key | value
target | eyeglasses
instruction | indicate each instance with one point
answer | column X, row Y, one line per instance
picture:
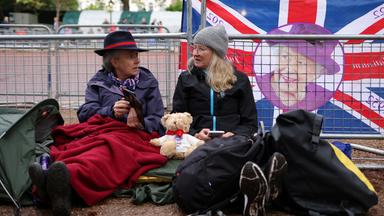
column 198, row 48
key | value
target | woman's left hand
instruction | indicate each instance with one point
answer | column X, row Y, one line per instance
column 133, row 120
column 228, row 134
column 203, row 134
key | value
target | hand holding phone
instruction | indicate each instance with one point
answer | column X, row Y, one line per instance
column 214, row 134
column 134, row 103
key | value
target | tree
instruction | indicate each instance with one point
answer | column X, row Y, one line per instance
column 65, row 5
column 177, row 6
column 58, row 5
column 160, row 3
column 31, row 5
column 140, row 4
column 98, row 5
column 125, row 5
column 46, row 4
column 6, row 5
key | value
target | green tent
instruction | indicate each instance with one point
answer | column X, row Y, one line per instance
column 71, row 17
column 22, row 138
column 136, row 17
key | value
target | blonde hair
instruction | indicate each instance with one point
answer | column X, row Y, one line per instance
column 220, row 74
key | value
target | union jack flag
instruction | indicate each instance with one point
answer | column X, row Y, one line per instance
column 357, row 104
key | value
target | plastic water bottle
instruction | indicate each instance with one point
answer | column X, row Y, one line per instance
column 44, row 161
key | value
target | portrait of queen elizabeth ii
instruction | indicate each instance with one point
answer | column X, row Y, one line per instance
column 297, row 73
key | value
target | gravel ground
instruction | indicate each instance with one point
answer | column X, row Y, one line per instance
column 123, row 206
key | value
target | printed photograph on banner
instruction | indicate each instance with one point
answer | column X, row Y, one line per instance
column 351, row 98
column 298, row 74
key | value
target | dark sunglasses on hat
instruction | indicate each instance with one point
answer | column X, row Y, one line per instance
column 119, row 40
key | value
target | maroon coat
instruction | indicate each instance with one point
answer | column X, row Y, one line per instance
column 102, row 154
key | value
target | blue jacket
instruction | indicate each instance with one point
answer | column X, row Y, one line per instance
column 101, row 95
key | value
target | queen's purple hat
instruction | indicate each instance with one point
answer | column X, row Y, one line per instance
column 319, row 51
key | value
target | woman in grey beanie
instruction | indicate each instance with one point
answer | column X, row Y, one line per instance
column 220, row 98
column 212, row 83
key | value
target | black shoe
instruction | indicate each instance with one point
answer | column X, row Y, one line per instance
column 254, row 186
column 276, row 168
column 59, row 189
column 38, row 178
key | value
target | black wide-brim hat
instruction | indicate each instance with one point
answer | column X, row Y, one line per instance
column 119, row 40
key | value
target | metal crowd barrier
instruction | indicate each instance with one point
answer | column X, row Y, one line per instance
column 106, row 28
column 34, row 67
column 24, row 29
column 39, row 29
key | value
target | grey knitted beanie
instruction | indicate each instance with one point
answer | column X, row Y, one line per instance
column 214, row 37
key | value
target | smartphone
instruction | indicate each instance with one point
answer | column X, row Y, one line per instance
column 214, row 134
column 134, row 103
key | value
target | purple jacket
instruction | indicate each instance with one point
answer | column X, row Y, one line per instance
column 101, row 95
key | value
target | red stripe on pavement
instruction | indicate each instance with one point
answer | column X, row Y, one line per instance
column 359, row 66
column 302, row 11
column 372, row 29
column 360, row 108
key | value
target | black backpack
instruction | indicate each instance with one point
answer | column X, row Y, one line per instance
column 208, row 179
column 320, row 178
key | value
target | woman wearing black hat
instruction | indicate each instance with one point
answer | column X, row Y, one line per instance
column 101, row 154
column 121, row 69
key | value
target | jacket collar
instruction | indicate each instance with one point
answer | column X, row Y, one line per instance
column 101, row 78
column 199, row 73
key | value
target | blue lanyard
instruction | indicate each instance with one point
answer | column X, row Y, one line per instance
column 212, row 110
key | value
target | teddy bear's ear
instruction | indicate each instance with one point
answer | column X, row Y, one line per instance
column 164, row 119
column 189, row 117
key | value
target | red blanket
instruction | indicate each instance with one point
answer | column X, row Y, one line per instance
column 103, row 154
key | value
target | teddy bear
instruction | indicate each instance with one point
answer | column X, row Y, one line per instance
column 177, row 143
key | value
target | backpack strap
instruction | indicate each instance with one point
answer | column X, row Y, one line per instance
column 216, row 208
column 212, row 109
column 317, row 123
